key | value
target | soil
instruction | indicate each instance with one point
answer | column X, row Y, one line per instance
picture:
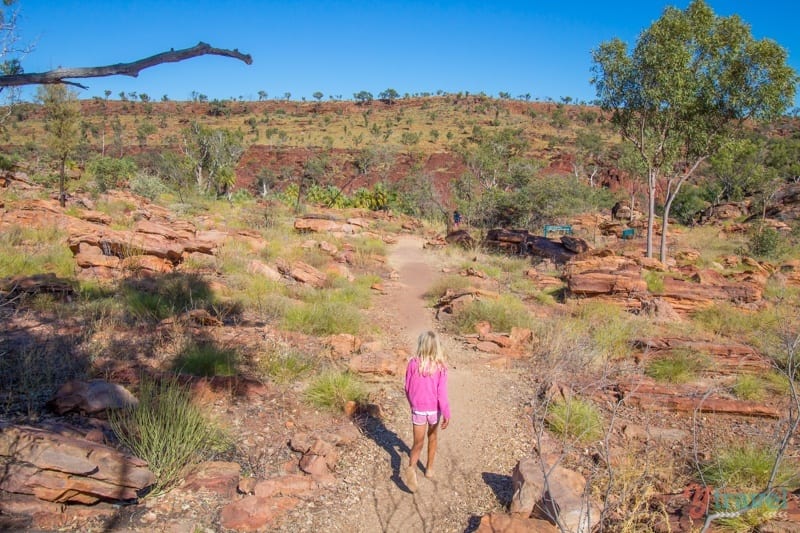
column 487, row 435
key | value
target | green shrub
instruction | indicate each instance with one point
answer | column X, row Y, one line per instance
column 503, row 314
column 333, row 390
column 111, row 172
column 680, row 366
column 575, row 419
column 147, row 185
column 748, row 468
column 205, row 359
column 452, row 282
column 323, row 318
column 286, row 365
column 30, row 375
column 159, row 298
column 655, row 281
column 25, row 251
column 165, row 429
column 611, row 329
column 749, row 387
column 765, row 242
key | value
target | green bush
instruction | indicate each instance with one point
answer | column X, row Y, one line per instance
column 165, row 429
column 333, row 390
column 147, row 185
column 765, row 242
column 166, row 296
column 747, row 468
column 111, row 172
column 503, row 314
column 286, row 365
column 680, row 366
column 611, row 329
column 749, row 387
column 25, row 251
column 323, row 318
column 205, row 359
column 655, row 281
column 576, row 419
column 452, row 282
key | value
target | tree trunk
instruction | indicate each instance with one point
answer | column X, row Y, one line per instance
column 651, row 209
column 62, row 181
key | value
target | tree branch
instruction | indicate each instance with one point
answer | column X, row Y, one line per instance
column 132, row 69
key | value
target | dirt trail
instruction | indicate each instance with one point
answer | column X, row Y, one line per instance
column 488, row 434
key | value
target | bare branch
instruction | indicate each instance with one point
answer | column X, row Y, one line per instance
column 132, row 69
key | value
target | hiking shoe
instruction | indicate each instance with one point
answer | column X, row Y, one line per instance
column 411, row 479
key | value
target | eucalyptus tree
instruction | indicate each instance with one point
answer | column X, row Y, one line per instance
column 62, row 123
column 690, row 82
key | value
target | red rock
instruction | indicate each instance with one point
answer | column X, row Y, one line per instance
column 487, row 347
column 146, row 263
column 63, row 468
column 344, row 344
column 316, row 225
column 520, row 335
column 92, row 259
column 565, row 489
column 247, row 485
column 290, row 485
column 257, row 267
column 503, row 523
column 375, row 363
column 252, row 513
column 304, row 273
column 91, row 397
column 217, row 477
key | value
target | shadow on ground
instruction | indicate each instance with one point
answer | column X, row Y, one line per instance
column 375, row 429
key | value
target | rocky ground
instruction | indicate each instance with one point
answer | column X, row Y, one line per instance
column 294, row 468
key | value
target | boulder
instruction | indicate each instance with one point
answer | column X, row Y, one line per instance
column 503, row 523
column 257, row 267
column 68, row 469
column 253, row 513
column 288, row 485
column 91, row 397
column 316, row 225
column 560, row 496
column 217, row 477
column 304, row 273
column 380, row 363
column 575, row 244
column 344, row 344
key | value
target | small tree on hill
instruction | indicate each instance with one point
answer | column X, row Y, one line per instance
column 687, row 86
column 363, row 97
column 62, row 123
column 389, row 96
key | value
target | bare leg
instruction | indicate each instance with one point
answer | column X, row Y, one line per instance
column 433, row 440
column 413, row 459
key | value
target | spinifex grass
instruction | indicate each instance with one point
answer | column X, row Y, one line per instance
column 333, row 390
column 165, row 429
column 575, row 419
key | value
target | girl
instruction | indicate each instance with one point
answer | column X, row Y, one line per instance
column 426, row 390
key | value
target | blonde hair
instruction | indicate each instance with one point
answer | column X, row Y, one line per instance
column 429, row 353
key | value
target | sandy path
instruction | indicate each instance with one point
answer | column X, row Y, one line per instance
column 486, row 437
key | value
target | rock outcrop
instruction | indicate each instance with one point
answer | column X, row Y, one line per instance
column 63, row 467
column 552, row 493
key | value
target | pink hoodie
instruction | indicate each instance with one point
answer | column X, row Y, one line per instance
column 427, row 393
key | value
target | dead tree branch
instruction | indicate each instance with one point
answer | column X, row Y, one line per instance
column 62, row 75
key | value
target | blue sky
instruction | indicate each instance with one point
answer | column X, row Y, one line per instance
column 541, row 48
